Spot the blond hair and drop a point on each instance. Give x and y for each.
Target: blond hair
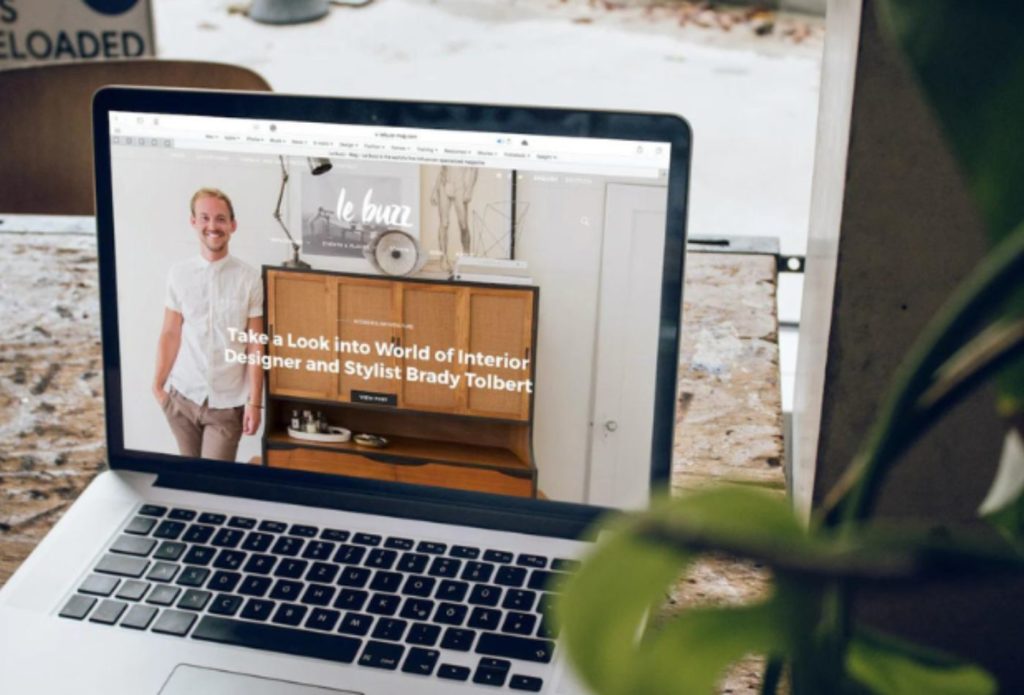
(211, 193)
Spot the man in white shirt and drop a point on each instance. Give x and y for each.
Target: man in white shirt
(210, 402)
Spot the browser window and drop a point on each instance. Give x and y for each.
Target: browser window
(467, 310)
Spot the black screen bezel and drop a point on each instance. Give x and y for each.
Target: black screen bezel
(538, 517)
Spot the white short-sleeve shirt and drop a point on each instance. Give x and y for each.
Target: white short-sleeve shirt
(212, 297)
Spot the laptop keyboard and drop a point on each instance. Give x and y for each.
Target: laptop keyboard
(382, 602)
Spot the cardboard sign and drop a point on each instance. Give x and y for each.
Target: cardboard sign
(50, 31)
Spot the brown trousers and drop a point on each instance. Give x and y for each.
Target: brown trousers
(201, 431)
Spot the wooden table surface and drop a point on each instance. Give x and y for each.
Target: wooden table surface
(51, 416)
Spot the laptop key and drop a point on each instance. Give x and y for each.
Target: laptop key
(226, 604)
(182, 514)
(169, 550)
(242, 522)
(289, 614)
(224, 581)
(542, 580)
(498, 556)
(421, 661)
(108, 611)
(255, 586)
(176, 623)
(152, 510)
(99, 585)
(193, 576)
(169, 530)
(286, 590)
(163, 595)
(485, 595)
(351, 599)
(417, 608)
(199, 555)
(464, 551)
(318, 550)
(303, 531)
(390, 629)
(450, 590)
(323, 619)
(318, 594)
(526, 683)
(322, 572)
(413, 563)
(140, 525)
(563, 565)
(445, 567)
(291, 568)
(211, 518)
(419, 586)
(399, 543)
(195, 600)
(227, 538)
(229, 560)
(356, 624)
(423, 634)
(380, 558)
(519, 623)
(366, 539)
(354, 576)
(257, 609)
(510, 576)
(525, 560)
(519, 600)
(287, 545)
(386, 581)
(383, 604)
(457, 639)
(198, 533)
(381, 655)
(453, 673)
(492, 672)
(350, 554)
(77, 607)
(450, 614)
(133, 590)
(133, 545)
(273, 526)
(478, 571)
(123, 565)
(260, 564)
(163, 572)
(431, 547)
(277, 639)
(511, 647)
(139, 617)
(257, 542)
(333, 534)
(484, 618)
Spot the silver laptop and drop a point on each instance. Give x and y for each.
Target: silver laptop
(372, 370)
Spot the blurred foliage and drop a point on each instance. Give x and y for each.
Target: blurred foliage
(968, 58)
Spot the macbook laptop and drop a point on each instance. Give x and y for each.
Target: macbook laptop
(372, 369)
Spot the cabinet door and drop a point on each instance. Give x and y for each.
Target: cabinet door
(500, 330)
(300, 306)
(434, 320)
(368, 316)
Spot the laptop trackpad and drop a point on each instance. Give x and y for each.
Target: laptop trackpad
(194, 680)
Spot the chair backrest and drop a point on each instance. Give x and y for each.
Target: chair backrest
(46, 138)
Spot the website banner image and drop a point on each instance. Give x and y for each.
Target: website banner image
(470, 319)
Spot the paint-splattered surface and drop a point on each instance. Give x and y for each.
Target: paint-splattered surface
(51, 420)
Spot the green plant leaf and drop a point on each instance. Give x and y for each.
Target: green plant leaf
(605, 606)
(886, 665)
(1004, 505)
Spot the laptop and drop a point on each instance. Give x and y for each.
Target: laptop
(372, 370)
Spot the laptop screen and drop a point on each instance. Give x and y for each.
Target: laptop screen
(465, 310)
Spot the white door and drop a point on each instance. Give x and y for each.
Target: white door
(626, 349)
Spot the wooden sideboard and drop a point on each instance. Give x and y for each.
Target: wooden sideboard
(461, 434)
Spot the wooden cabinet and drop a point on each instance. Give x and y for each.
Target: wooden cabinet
(443, 369)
